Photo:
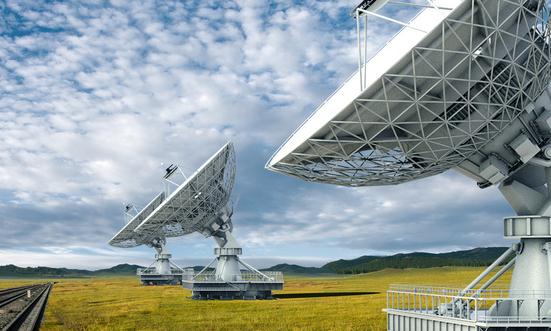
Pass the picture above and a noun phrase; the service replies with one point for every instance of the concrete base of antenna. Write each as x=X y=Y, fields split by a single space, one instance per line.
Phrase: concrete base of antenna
x=231 y=278
x=162 y=271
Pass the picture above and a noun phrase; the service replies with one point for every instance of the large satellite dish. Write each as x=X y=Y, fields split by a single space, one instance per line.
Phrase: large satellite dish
x=463 y=85
x=201 y=203
x=196 y=204
x=432 y=99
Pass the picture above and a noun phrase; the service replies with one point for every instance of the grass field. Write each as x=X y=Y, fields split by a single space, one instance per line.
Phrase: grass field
x=122 y=304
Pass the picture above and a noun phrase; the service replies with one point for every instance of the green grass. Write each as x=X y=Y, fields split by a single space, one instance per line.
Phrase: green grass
x=122 y=304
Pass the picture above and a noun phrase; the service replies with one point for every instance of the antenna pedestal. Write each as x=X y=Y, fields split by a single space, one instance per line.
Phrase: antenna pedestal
x=228 y=280
x=162 y=271
x=227 y=268
x=525 y=305
x=531 y=278
x=162 y=263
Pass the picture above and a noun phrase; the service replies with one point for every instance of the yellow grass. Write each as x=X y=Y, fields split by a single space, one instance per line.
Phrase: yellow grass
x=122 y=304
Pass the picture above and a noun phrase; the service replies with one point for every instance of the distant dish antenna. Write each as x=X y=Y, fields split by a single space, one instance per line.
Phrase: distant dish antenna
x=201 y=203
x=463 y=85
x=162 y=271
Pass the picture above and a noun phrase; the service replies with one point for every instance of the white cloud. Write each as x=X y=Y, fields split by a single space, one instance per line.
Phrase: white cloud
x=94 y=98
x=439 y=213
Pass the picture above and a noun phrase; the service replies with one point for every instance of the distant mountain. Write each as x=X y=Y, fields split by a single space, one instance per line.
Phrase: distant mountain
x=121 y=269
x=364 y=264
x=297 y=269
x=11 y=270
x=198 y=268
x=473 y=257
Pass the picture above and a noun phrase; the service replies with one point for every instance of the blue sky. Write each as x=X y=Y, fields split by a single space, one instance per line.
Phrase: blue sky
x=95 y=96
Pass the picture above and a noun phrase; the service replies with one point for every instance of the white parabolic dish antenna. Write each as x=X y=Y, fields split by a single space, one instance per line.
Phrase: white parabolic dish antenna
x=463 y=85
x=439 y=92
x=198 y=204
x=193 y=206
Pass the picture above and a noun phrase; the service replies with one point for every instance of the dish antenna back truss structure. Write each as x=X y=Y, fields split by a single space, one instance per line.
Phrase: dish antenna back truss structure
x=201 y=203
x=463 y=85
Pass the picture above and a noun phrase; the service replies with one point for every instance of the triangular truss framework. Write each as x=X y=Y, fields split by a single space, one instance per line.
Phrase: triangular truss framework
x=198 y=204
x=465 y=83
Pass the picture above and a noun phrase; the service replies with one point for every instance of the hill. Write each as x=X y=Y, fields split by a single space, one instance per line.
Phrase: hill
x=120 y=269
x=297 y=269
x=12 y=271
x=474 y=258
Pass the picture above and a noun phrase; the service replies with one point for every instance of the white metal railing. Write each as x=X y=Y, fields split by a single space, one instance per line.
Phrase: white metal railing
x=153 y=271
x=227 y=251
x=493 y=293
x=472 y=305
x=515 y=319
x=247 y=276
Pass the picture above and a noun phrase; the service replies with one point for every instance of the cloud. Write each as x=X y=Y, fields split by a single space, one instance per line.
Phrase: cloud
x=440 y=213
x=96 y=96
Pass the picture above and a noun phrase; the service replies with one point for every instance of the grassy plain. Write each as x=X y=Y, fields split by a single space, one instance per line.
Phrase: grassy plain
x=122 y=304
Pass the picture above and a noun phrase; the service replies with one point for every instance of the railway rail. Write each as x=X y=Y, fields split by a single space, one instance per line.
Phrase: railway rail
x=22 y=308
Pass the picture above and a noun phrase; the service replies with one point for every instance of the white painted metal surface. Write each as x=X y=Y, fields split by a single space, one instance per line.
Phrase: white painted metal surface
x=431 y=101
x=127 y=237
x=195 y=206
x=343 y=98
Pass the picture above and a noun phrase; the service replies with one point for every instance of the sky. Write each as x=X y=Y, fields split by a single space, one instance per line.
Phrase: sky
x=97 y=97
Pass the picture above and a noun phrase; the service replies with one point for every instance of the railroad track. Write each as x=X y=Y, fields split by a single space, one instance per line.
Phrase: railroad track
x=10 y=295
x=22 y=308
x=15 y=289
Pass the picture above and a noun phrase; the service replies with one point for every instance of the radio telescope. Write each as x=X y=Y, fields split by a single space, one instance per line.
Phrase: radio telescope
x=463 y=85
x=201 y=203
